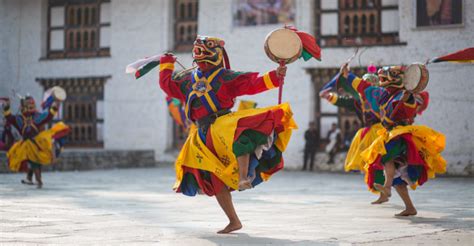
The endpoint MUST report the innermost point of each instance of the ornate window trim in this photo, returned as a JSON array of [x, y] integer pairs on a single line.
[[359, 24], [81, 29], [83, 109]]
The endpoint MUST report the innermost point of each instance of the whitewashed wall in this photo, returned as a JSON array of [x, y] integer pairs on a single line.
[[135, 111]]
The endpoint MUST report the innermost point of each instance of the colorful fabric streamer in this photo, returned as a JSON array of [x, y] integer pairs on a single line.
[[310, 47], [143, 66], [461, 56]]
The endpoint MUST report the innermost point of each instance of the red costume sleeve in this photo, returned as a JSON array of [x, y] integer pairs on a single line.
[[171, 87], [251, 83]]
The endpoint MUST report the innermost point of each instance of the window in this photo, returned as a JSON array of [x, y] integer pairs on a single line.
[[78, 28], [325, 113], [356, 22], [83, 109], [186, 21]]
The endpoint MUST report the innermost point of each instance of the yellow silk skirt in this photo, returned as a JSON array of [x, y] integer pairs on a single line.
[[354, 160], [40, 150], [195, 154], [428, 142]]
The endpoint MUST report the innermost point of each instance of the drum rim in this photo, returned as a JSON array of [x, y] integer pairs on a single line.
[[61, 91], [423, 80], [277, 59]]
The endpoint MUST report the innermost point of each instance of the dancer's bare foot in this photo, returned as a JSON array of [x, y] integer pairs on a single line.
[[386, 191], [245, 184], [232, 226], [382, 198], [27, 182], [407, 212]]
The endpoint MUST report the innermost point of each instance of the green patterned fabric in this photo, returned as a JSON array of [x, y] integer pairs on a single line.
[[248, 142], [346, 102], [379, 177], [397, 149]]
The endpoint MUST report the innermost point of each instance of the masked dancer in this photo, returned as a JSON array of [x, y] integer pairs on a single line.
[[403, 154], [228, 150]]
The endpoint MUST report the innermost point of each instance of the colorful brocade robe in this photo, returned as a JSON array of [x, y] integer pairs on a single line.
[[382, 102], [208, 93]]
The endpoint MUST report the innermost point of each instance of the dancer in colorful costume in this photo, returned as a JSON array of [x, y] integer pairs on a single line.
[[403, 154], [38, 146], [228, 150], [358, 103]]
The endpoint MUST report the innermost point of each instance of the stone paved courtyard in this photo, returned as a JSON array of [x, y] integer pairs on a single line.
[[138, 207]]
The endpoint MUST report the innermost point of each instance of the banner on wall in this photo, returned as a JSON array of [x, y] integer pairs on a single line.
[[263, 12]]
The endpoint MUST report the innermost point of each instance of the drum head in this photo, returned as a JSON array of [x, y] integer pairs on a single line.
[[59, 93], [283, 45], [416, 77]]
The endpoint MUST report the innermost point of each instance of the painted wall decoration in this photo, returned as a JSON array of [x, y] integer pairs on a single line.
[[439, 12], [263, 12]]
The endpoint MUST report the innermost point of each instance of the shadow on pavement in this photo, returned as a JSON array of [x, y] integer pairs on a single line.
[[246, 239]]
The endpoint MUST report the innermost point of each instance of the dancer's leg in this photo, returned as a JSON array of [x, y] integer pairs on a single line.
[[389, 170], [225, 201], [410, 209], [29, 178], [39, 182], [244, 182]]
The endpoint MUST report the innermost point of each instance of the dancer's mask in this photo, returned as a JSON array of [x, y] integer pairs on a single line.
[[209, 52], [391, 76]]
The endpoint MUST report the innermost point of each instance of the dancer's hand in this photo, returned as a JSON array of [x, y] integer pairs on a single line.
[[170, 54], [281, 71], [55, 105], [344, 70], [325, 94]]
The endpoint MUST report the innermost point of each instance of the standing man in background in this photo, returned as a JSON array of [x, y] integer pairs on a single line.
[[311, 137]]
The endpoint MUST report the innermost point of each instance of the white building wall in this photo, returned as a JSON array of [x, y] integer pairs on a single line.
[[136, 115]]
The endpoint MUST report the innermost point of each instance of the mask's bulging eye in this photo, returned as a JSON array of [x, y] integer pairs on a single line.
[[210, 44]]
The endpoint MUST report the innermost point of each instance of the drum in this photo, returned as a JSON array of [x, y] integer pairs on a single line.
[[283, 45], [58, 93], [55, 93], [416, 77]]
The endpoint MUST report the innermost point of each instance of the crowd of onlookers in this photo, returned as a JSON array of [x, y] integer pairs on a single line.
[[336, 141]]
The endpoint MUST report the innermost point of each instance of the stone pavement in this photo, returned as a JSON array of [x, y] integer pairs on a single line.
[[138, 207]]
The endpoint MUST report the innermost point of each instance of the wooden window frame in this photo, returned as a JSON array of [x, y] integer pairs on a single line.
[[67, 52], [375, 38], [186, 22], [79, 112]]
